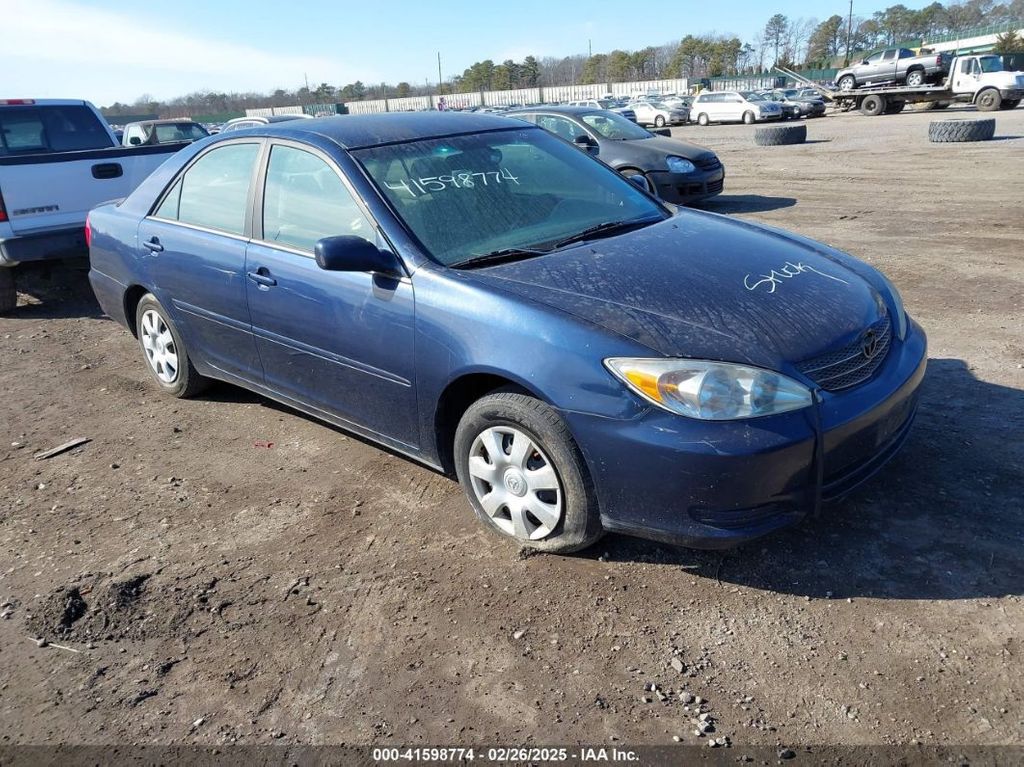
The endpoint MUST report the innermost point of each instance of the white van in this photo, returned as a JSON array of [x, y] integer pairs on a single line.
[[733, 106]]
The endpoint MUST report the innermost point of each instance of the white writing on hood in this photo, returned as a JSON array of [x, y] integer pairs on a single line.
[[787, 271]]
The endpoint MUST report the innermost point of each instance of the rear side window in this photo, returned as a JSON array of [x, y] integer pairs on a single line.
[[305, 200], [214, 192], [28, 130]]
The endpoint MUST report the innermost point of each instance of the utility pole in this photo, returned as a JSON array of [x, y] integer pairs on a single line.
[[849, 35], [440, 80], [590, 48]]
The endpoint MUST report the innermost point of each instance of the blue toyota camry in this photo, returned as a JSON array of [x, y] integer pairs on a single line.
[[483, 297]]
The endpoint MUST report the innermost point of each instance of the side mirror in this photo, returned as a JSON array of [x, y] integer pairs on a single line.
[[864, 62], [662, 132], [587, 144], [642, 181], [134, 141], [348, 253]]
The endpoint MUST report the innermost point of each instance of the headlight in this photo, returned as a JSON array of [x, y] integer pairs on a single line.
[[679, 165], [901, 313], [711, 391]]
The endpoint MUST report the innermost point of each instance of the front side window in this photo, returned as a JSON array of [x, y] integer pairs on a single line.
[[304, 200], [214, 192], [614, 126], [889, 56], [466, 196], [874, 59]]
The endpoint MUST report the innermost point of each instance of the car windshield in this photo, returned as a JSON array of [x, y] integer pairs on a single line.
[[791, 94], [468, 196], [990, 64], [751, 96], [607, 104], [614, 126], [658, 104], [179, 132]]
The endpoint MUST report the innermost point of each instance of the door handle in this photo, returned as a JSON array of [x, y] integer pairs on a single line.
[[153, 244], [107, 170], [262, 277]]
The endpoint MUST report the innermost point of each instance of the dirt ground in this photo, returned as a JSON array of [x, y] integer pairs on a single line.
[[207, 588]]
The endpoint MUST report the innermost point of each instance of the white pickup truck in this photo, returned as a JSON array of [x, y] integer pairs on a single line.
[[58, 159]]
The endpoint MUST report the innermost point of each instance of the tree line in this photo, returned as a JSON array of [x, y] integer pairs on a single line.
[[783, 41]]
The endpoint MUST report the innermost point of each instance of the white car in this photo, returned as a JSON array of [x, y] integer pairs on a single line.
[[733, 106], [660, 114]]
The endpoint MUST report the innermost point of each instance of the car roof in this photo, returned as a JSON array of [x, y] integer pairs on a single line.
[[563, 110], [165, 121], [361, 131]]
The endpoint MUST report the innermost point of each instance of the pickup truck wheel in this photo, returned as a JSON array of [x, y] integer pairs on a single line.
[[524, 474], [950, 131], [847, 83], [8, 290], [915, 78], [895, 107], [1010, 104], [988, 100], [872, 105], [164, 352], [781, 135]]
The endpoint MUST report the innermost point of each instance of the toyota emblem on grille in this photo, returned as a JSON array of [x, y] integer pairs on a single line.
[[869, 344]]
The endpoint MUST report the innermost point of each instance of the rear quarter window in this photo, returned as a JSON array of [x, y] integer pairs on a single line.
[[66, 128]]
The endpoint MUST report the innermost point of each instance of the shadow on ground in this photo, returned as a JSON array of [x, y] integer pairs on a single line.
[[745, 203], [944, 520], [55, 290]]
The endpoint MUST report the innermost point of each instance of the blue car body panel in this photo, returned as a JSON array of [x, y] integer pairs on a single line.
[[376, 354]]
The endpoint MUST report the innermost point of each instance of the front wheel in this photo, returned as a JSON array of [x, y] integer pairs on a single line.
[[659, 121], [989, 100], [524, 475], [702, 120], [748, 118], [164, 352]]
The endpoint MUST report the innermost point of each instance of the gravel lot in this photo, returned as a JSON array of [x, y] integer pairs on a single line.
[[212, 589]]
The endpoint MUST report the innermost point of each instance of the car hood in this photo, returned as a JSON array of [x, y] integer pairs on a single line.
[[704, 286], [662, 146]]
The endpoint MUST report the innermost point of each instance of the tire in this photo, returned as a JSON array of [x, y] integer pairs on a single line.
[[702, 120], [1010, 104], [894, 107], [915, 78], [749, 118], [497, 422], [847, 83], [780, 135], [659, 121], [160, 344], [956, 131], [989, 100], [942, 104], [8, 290], [872, 105]]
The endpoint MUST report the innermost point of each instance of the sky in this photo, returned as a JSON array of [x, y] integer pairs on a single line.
[[117, 51]]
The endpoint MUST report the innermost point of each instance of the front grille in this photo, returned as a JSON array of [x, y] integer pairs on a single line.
[[708, 162], [714, 187], [850, 365]]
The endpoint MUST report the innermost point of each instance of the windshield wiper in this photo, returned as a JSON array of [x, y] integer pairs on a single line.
[[497, 257], [606, 229]]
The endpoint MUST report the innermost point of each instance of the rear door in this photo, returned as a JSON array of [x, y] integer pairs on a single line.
[[193, 249], [339, 342]]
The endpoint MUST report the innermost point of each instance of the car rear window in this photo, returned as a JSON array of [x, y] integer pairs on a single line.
[[66, 128]]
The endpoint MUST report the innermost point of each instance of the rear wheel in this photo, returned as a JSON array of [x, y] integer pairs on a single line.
[[8, 290], [524, 475], [895, 107], [748, 118], [659, 121], [915, 79], [164, 352], [702, 119], [989, 100], [847, 83], [872, 105]]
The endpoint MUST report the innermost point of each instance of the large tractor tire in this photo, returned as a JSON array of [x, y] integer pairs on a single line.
[[955, 131]]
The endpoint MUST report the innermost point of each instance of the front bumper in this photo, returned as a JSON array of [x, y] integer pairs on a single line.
[[718, 484], [43, 246], [683, 188]]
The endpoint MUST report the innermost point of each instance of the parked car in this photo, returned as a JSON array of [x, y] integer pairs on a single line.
[[677, 171], [895, 65], [58, 158], [798, 106], [733, 106], [170, 131], [238, 123], [659, 114], [474, 293], [609, 104]]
